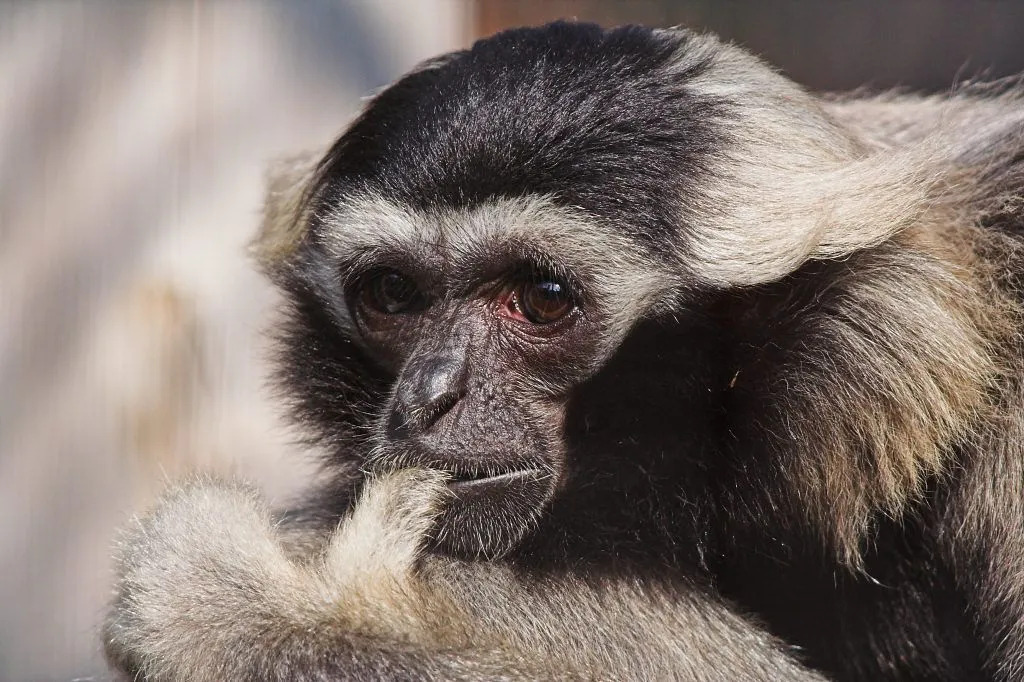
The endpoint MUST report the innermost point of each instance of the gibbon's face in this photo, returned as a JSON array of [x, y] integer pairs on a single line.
[[489, 231], [484, 340], [480, 321], [479, 249]]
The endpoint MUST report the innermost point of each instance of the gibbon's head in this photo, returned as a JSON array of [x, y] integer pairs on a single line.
[[496, 224]]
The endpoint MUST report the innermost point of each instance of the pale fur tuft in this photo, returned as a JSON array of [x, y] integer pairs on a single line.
[[790, 184], [218, 539], [922, 385], [285, 211]]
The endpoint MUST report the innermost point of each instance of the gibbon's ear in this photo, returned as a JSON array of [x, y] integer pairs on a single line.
[[285, 210], [783, 217], [790, 182]]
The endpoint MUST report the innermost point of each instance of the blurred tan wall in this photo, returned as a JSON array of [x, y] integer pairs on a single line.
[[133, 137]]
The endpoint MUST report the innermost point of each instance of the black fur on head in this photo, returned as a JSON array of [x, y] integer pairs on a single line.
[[591, 118]]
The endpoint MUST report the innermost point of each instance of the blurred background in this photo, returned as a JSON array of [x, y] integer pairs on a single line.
[[133, 138]]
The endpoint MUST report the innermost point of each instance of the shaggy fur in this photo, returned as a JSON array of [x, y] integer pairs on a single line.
[[780, 439]]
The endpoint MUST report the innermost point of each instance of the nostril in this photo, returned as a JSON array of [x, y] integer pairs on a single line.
[[398, 424], [440, 405], [427, 390], [403, 423]]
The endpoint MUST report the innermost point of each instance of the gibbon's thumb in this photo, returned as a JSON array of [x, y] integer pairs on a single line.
[[389, 525]]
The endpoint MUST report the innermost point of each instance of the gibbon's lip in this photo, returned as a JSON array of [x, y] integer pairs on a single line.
[[491, 511], [474, 484]]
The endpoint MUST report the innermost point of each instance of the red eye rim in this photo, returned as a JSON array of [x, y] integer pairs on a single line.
[[541, 302]]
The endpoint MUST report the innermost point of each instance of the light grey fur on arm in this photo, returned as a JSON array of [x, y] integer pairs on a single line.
[[206, 592]]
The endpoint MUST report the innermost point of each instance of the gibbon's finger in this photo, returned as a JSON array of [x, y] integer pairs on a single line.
[[389, 525]]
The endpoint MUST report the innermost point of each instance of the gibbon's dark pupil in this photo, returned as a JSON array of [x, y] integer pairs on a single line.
[[390, 292], [545, 301]]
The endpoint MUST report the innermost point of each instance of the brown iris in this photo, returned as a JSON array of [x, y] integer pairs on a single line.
[[389, 292], [544, 301]]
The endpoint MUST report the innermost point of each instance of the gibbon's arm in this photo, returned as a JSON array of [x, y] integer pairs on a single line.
[[206, 592]]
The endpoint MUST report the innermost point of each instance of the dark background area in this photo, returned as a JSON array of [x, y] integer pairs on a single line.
[[824, 44]]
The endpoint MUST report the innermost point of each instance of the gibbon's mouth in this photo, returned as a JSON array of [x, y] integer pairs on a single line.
[[490, 511], [480, 481]]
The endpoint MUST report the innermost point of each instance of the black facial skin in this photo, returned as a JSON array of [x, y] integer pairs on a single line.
[[494, 382]]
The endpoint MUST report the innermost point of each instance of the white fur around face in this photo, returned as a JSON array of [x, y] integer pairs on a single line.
[[285, 215]]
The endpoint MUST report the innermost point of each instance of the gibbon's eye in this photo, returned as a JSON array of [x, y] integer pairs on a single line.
[[389, 292], [544, 301]]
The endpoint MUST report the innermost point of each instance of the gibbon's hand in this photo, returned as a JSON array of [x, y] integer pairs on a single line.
[[206, 592]]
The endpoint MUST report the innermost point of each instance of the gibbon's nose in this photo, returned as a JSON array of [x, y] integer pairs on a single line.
[[426, 392]]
